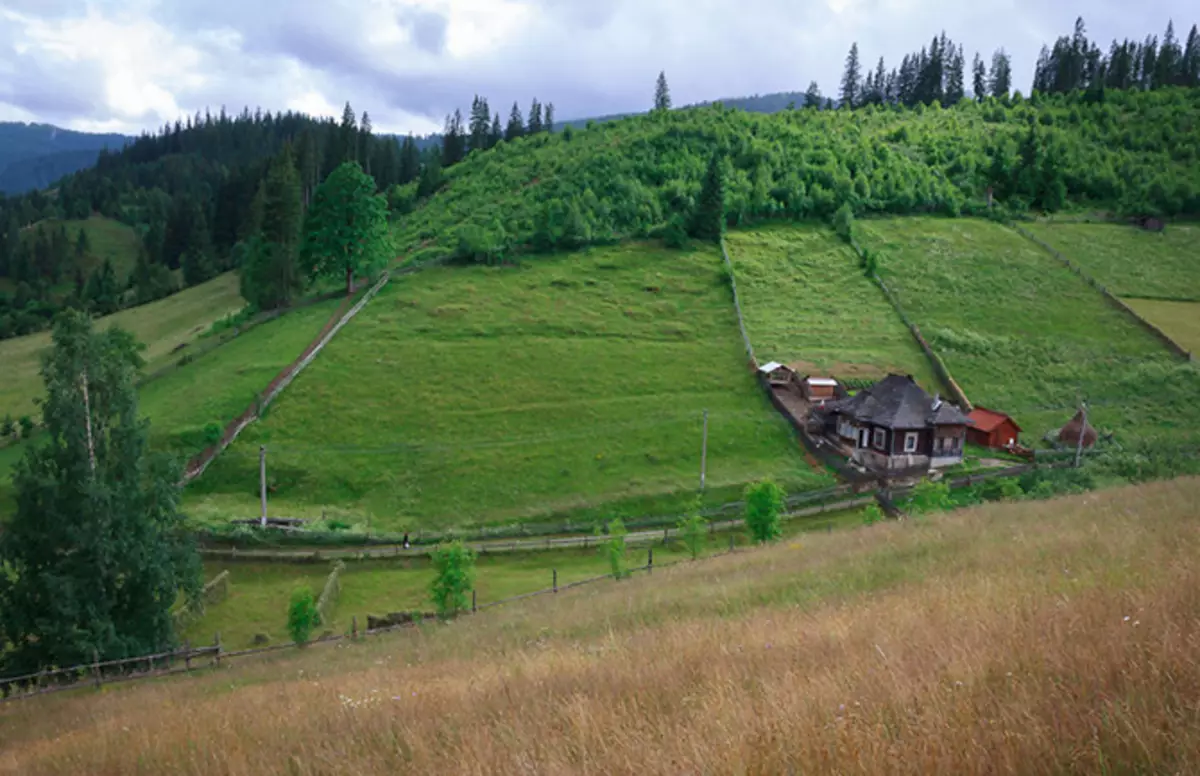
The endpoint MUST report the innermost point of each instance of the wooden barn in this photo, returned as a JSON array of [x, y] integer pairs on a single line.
[[992, 429], [819, 388], [776, 373]]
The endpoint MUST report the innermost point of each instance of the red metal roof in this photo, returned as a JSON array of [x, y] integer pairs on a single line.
[[988, 420]]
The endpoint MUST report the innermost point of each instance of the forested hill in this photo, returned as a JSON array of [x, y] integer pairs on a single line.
[[1132, 151], [35, 155]]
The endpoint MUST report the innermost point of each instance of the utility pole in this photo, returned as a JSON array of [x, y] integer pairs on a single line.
[[704, 451], [1082, 431], [262, 482]]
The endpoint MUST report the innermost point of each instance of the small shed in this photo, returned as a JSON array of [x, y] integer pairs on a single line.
[[819, 388], [776, 373], [1070, 433], [992, 429]]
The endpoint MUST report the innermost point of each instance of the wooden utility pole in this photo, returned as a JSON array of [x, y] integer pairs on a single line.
[[1082, 431], [262, 482], [704, 451]]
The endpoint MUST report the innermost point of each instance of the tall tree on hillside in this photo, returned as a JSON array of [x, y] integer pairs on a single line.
[[308, 163], [662, 93], [1167, 68], [348, 135], [364, 141], [851, 79], [708, 222], [410, 160], [197, 259], [978, 78], [271, 275], [345, 230], [812, 96], [496, 134], [535, 117], [96, 553], [955, 89], [479, 124], [1000, 76], [454, 141], [548, 119], [516, 125]]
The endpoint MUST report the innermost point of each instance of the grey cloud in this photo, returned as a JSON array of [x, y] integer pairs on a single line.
[[427, 28]]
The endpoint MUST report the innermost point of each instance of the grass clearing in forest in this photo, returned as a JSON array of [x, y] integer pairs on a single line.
[[979, 640], [1130, 261], [1023, 334], [467, 395], [806, 301]]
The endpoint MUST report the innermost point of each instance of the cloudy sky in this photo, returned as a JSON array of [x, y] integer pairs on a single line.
[[128, 65]]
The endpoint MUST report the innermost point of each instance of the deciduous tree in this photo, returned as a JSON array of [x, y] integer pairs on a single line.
[[345, 230]]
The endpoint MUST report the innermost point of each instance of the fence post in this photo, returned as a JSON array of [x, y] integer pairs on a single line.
[[187, 655], [96, 666], [555, 572], [650, 561], [354, 628], [217, 654], [474, 607], [731, 541]]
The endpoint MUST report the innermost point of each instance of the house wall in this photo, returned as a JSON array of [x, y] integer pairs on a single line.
[[998, 437]]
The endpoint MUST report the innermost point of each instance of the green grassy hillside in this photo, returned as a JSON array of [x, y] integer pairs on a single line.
[[1179, 320], [807, 303], [469, 395], [161, 326], [1131, 262], [1023, 334]]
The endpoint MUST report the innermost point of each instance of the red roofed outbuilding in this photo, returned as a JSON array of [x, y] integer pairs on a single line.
[[992, 429]]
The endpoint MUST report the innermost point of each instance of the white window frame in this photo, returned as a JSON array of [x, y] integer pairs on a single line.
[[910, 441], [879, 439]]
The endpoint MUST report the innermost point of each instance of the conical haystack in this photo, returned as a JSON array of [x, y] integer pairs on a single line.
[[1069, 434]]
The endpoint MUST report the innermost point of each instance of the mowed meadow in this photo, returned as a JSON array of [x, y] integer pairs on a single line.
[[1051, 637], [467, 395], [807, 303], [1023, 334]]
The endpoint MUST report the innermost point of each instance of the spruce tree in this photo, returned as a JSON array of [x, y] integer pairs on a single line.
[[708, 222], [1190, 66], [480, 124], [812, 96], [346, 230], [535, 117], [82, 247], [196, 260], [497, 132], [955, 89], [96, 553], [978, 78], [851, 79], [348, 136], [516, 125], [1000, 77], [410, 160], [271, 275], [548, 118], [453, 140], [364, 143], [662, 93]]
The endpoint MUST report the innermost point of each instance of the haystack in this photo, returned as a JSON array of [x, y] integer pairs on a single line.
[[1069, 434]]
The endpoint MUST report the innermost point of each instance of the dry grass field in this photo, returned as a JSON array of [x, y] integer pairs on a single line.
[[1050, 637]]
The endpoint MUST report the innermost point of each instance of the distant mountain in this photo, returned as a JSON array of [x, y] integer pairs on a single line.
[[33, 156]]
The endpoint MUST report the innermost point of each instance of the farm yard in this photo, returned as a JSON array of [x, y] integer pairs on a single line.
[[1131, 262], [1023, 334], [806, 303], [570, 385]]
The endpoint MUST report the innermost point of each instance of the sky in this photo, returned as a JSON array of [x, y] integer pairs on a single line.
[[132, 65]]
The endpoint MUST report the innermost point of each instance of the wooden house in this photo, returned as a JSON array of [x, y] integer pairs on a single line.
[[818, 389], [992, 429], [776, 374], [896, 426]]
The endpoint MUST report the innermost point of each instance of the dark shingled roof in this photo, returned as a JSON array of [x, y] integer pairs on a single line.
[[897, 401]]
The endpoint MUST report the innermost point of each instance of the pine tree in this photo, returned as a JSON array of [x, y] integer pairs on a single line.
[[453, 140], [955, 89], [548, 118], [662, 93], [364, 141], [196, 260], [535, 117], [348, 135], [978, 78], [346, 230], [879, 84], [497, 132], [479, 125], [96, 551], [1167, 68], [271, 275], [851, 79], [812, 96], [1190, 66], [708, 222], [82, 246], [410, 160], [516, 125], [1000, 77], [308, 161]]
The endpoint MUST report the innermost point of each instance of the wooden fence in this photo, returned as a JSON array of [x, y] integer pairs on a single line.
[[737, 305], [1111, 298]]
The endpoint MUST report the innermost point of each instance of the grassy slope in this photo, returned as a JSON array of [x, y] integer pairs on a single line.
[[463, 395], [1180, 320], [160, 325], [1021, 333], [805, 300], [1054, 637], [1131, 262]]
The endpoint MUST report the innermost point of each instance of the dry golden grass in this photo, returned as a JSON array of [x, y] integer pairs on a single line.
[[1057, 637]]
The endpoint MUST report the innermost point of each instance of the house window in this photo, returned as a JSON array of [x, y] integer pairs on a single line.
[[880, 439], [910, 442]]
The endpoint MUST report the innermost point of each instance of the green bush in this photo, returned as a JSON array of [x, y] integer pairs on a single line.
[[7, 427], [26, 423], [454, 578], [213, 433], [843, 222], [765, 502], [613, 549], [302, 615], [693, 531], [929, 496], [872, 514]]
